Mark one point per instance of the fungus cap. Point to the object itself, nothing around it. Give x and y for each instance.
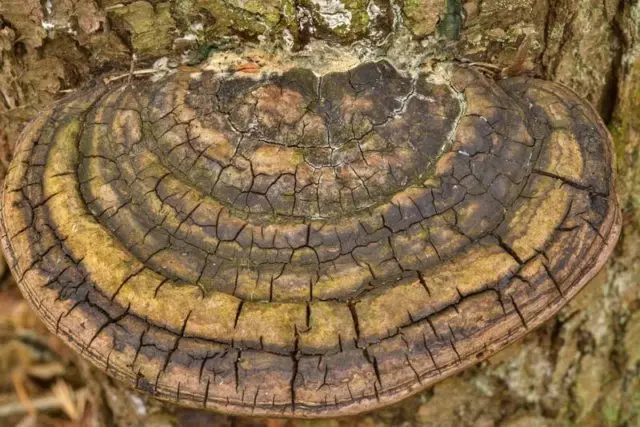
(303, 245)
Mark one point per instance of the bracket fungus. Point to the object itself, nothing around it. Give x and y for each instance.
(292, 244)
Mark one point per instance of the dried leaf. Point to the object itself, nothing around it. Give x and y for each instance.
(17, 378)
(46, 371)
(67, 398)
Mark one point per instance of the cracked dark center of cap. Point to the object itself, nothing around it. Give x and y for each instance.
(302, 146)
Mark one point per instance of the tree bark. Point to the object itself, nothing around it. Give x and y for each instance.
(581, 368)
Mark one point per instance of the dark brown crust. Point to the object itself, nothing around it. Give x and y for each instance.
(487, 207)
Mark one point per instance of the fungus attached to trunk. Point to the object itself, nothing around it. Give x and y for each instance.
(306, 246)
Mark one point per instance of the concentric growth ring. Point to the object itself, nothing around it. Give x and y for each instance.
(304, 245)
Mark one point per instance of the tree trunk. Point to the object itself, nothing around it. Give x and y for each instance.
(582, 367)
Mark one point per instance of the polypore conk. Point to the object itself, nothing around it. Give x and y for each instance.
(307, 245)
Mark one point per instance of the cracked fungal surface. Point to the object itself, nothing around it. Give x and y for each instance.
(303, 245)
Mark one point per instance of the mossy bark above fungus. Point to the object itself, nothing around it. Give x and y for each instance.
(580, 369)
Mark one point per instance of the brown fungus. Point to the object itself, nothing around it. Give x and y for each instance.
(296, 245)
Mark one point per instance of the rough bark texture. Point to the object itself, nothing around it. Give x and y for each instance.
(580, 368)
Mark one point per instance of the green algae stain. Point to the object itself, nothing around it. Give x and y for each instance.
(341, 20)
(422, 16)
(151, 28)
(451, 23)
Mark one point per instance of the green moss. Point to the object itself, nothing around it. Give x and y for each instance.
(422, 15)
(451, 23)
(625, 129)
(359, 15)
(226, 20)
(611, 414)
(289, 20)
(269, 10)
(182, 10)
(151, 28)
(618, 134)
(344, 20)
(229, 20)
